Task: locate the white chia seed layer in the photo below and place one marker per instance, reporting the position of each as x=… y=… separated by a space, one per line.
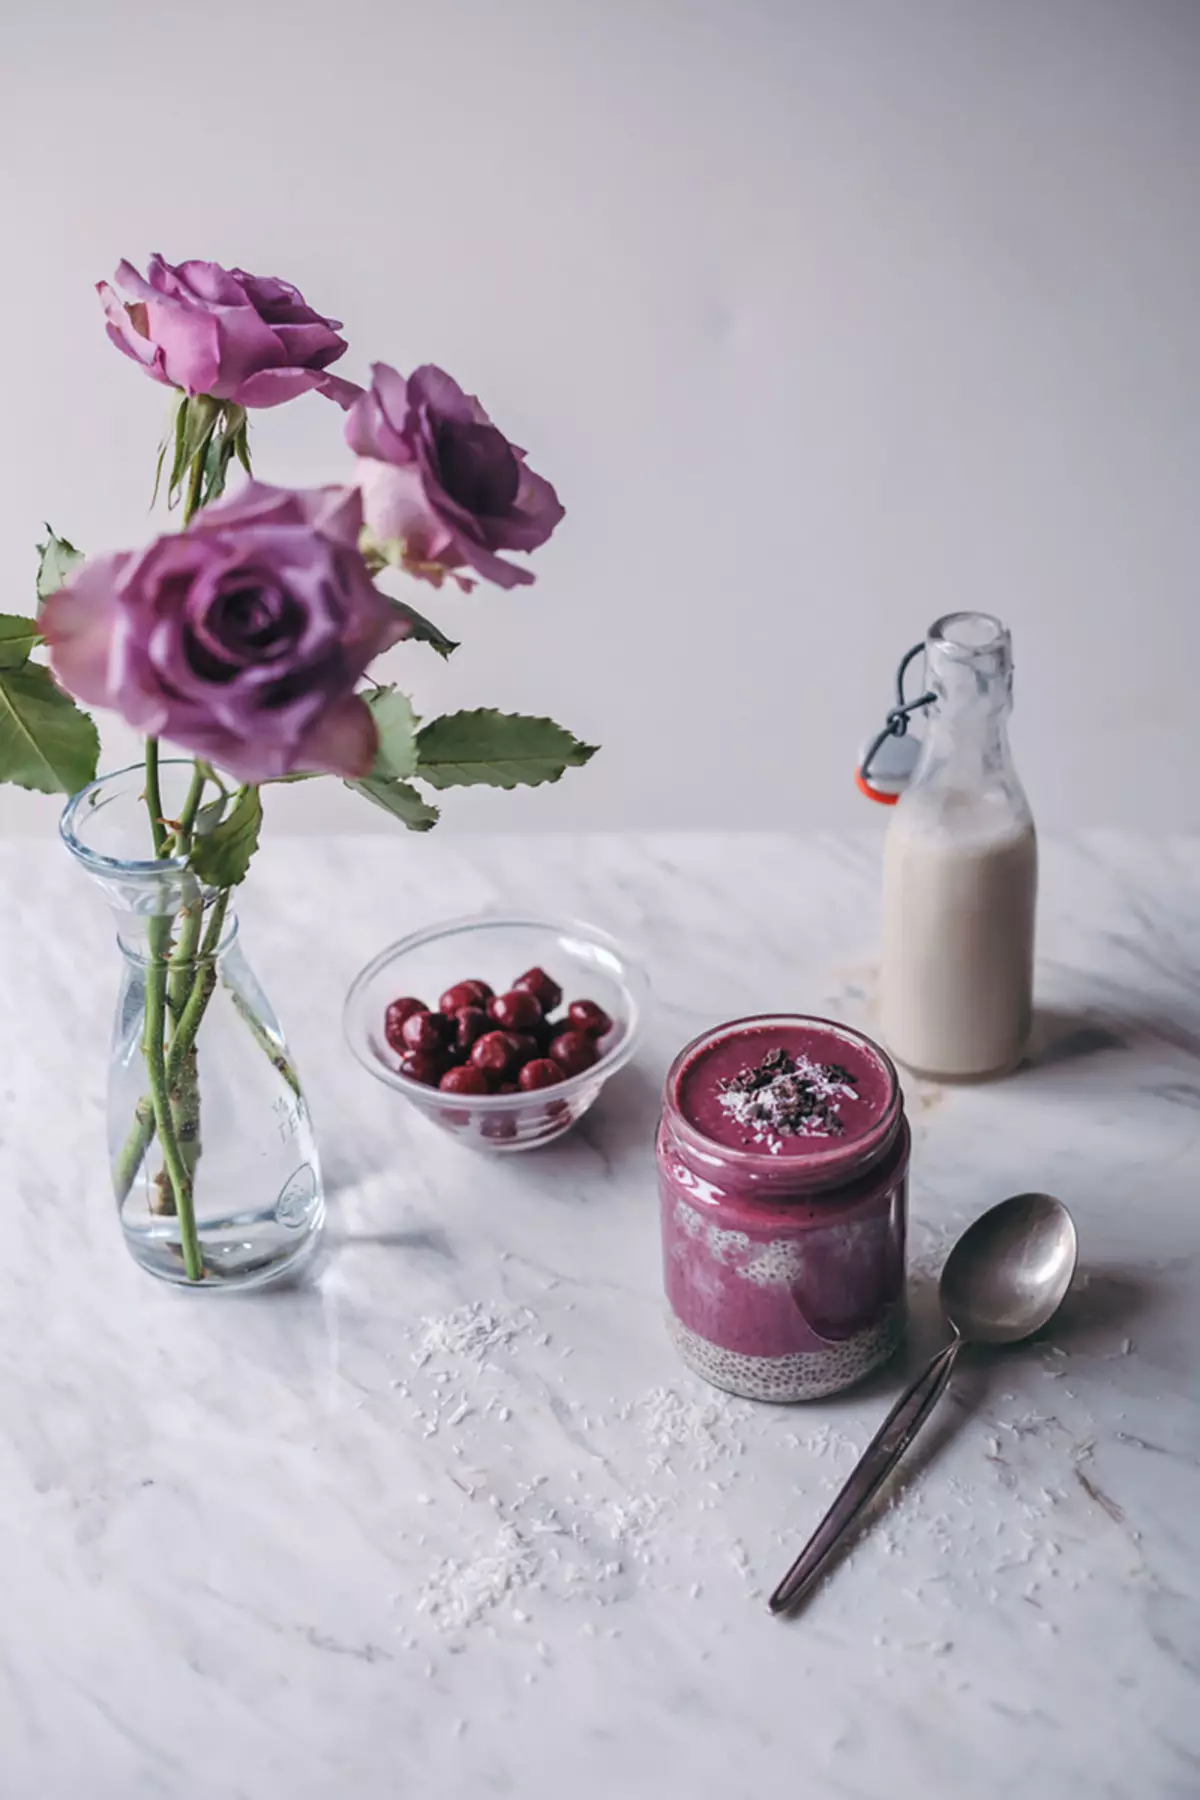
x=805 y=1375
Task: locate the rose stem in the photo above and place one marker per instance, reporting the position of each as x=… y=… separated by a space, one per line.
x=187 y=1025
x=154 y=805
x=183 y=978
x=267 y=1044
x=159 y=934
x=134 y=1148
x=155 y=1110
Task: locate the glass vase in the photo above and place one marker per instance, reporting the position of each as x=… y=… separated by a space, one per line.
x=214 y=1165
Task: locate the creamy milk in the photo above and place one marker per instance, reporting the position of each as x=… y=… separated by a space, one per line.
x=958 y=913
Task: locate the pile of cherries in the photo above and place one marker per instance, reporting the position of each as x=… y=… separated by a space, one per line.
x=481 y=1042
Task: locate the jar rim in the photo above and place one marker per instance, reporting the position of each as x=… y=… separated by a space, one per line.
x=819 y=1170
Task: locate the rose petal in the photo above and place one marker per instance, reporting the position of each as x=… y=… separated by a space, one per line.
x=255 y=502
x=272 y=387
x=376 y=421
x=396 y=510
x=280 y=302
x=208 y=281
x=123 y=329
x=533 y=518
x=432 y=387
x=504 y=574
x=343 y=741
x=78 y=623
x=343 y=393
x=189 y=343
x=308 y=344
x=337 y=513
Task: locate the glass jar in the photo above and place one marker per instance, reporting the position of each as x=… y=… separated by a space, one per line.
x=960 y=872
x=783 y=1254
x=214 y=1165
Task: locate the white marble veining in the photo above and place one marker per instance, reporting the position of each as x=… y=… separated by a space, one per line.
x=232 y=1527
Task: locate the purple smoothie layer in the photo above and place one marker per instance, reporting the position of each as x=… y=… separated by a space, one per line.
x=850 y=1108
x=781 y=1243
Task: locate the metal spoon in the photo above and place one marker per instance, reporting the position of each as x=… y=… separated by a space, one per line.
x=1005 y=1278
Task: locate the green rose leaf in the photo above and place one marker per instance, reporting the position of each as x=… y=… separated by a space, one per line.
x=503 y=750
x=210 y=816
x=17 y=638
x=396 y=723
x=421 y=628
x=57 y=561
x=46 y=741
x=221 y=858
x=400 y=799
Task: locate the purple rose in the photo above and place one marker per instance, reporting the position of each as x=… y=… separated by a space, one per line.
x=436 y=475
x=240 y=639
x=209 y=330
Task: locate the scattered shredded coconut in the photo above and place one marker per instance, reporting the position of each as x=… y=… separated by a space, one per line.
x=458 y=1593
x=471 y=1333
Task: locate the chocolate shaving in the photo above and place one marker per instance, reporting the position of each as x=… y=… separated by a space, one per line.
x=785 y=1096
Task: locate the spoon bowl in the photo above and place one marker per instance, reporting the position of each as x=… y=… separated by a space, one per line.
x=1009 y=1272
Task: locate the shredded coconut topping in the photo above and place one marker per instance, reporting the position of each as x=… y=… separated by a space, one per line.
x=788 y=1096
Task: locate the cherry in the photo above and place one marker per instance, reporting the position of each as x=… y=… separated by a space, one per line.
x=540 y=1073
x=397 y=1013
x=573 y=1052
x=464 y=993
x=508 y=1087
x=516 y=1010
x=543 y=987
x=493 y=1053
x=470 y=1023
x=425 y=1066
x=465 y=1078
x=524 y=1047
x=589 y=1018
x=545 y=1032
x=425 y=1031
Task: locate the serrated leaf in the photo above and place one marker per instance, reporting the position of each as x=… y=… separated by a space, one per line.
x=210 y=816
x=400 y=799
x=222 y=858
x=496 y=749
x=396 y=723
x=46 y=741
x=57 y=560
x=17 y=638
x=422 y=629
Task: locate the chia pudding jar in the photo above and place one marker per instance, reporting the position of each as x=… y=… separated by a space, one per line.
x=783 y=1175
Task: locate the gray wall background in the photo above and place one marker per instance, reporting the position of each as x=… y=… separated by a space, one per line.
x=825 y=316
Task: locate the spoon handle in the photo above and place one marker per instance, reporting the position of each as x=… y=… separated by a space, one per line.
x=877 y=1460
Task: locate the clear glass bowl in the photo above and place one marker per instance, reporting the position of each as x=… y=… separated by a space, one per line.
x=586 y=963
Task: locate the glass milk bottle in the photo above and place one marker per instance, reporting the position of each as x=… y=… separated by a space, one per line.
x=960 y=872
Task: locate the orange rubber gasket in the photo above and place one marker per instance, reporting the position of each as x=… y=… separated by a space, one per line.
x=864 y=787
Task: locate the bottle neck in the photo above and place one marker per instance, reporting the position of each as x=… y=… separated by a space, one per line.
x=968 y=661
x=970 y=739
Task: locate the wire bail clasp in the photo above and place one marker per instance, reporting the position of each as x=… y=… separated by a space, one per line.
x=885 y=767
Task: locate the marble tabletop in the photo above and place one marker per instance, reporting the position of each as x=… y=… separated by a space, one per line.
x=448 y=1519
